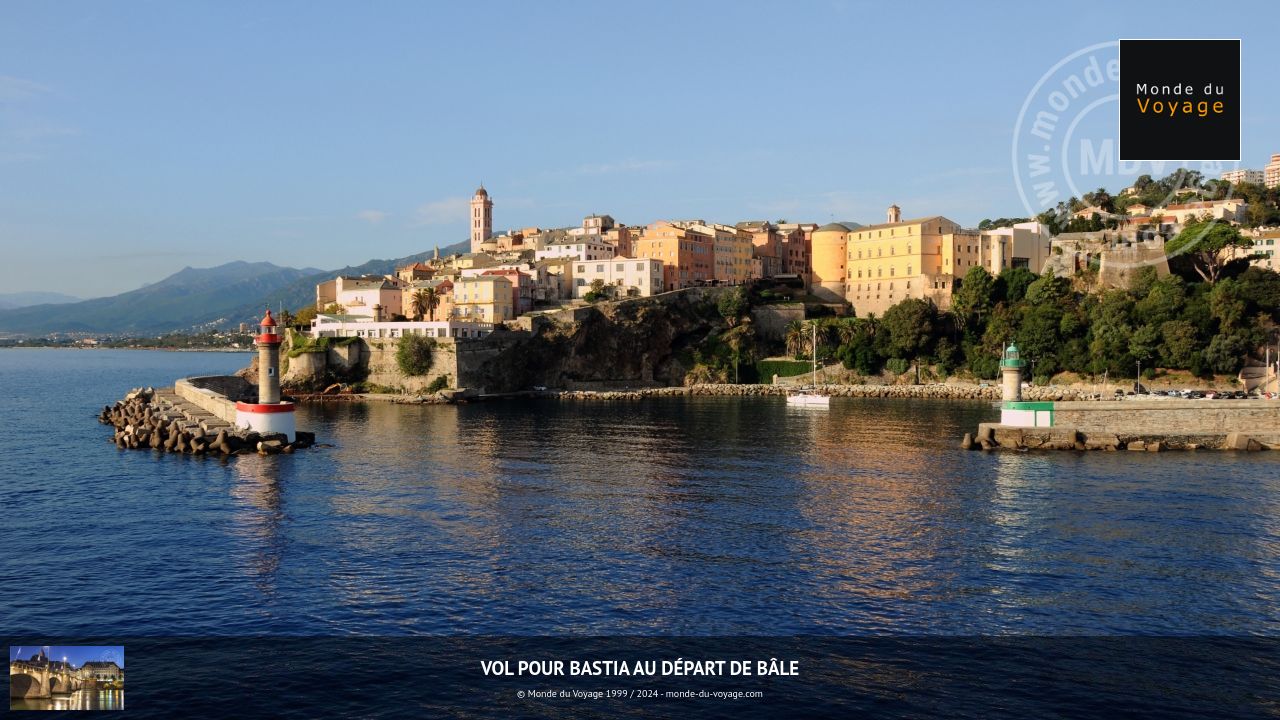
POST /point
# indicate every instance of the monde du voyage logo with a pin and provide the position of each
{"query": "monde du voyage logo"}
(1180, 99)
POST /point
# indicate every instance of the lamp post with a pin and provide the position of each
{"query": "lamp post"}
(1137, 384)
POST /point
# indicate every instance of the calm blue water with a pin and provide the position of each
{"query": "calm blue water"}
(700, 516)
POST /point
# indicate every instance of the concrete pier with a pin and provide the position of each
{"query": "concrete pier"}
(1148, 425)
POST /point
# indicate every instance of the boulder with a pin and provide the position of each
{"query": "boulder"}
(1136, 445)
(1236, 441)
(1007, 437)
(966, 443)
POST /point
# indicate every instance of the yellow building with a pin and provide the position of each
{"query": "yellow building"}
(922, 258)
(827, 280)
(902, 259)
(483, 298)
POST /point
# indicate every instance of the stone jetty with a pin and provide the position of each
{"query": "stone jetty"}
(937, 391)
(159, 419)
(1134, 425)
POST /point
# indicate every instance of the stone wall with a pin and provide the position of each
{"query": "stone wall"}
(771, 321)
(379, 356)
(1171, 417)
(215, 394)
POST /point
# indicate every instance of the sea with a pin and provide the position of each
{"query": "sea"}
(911, 577)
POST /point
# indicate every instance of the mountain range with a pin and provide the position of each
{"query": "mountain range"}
(192, 299)
(8, 301)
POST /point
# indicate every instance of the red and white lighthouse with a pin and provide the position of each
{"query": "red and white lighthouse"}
(269, 414)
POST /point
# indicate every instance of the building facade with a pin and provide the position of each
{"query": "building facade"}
(363, 295)
(1271, 173)
(577, 247)
(687, 256)
(623, 276)
(443, 289)
(1235, 177)
(483, 298)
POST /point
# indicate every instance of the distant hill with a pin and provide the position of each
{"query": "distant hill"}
(192, 299)
(302, 292)
(9, 301)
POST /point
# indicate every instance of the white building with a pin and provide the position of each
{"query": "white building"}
(1025, 245)
(1235, 177)
(360, 295)
(1231, 210)
(348, 326)
(579, 247)
(1271, 174)
(626, 277)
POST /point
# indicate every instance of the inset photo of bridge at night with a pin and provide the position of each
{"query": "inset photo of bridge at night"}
(66, 677)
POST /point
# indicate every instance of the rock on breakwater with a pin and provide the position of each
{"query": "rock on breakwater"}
(148, 418)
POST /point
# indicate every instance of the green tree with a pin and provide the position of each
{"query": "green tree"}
(413, 354)
(425, 302)
(1014, 283)
(733, 305)
(909, 326)
(1210, 245)
(976, 296)
(1179, 344)
(797, 339)
(304, 316)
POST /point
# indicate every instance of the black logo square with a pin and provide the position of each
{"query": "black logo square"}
(1180, 100)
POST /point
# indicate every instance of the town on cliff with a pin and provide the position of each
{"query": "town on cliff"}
(1171, 280)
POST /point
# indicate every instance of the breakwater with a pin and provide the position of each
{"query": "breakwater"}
(938, 391)
(161, 419)
(1138, 425)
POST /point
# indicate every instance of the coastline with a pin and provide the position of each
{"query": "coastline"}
(937, 391)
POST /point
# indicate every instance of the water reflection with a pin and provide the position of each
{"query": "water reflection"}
(78, 700)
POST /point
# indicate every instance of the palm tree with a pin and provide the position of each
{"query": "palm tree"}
(796, 339)
(433, 302)
(425, 302)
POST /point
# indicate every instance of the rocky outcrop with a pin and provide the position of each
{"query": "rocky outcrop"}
(646, 340)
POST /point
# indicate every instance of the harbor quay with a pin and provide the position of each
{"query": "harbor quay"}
(1128, 424)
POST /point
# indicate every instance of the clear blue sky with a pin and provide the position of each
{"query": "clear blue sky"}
(139, 137)
(77, 655)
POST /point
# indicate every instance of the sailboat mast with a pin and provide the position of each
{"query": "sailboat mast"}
(815, 357)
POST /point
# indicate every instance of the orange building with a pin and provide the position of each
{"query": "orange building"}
(688, 257)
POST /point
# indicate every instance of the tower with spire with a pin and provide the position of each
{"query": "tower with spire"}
(481, 218)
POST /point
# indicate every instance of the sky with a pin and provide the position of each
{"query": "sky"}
(77, 655)
(137, 138)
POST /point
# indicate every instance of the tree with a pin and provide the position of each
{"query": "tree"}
(304, 316)
(597, 292)
(1210, 244)
(797, 339)
(425, 302)
(1014, 282)
(976, 296)
(413, 355)
(910, 326)
(733, 305)
(286, 319)
(741, 341)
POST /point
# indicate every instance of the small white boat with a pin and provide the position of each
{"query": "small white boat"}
(809, 396)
